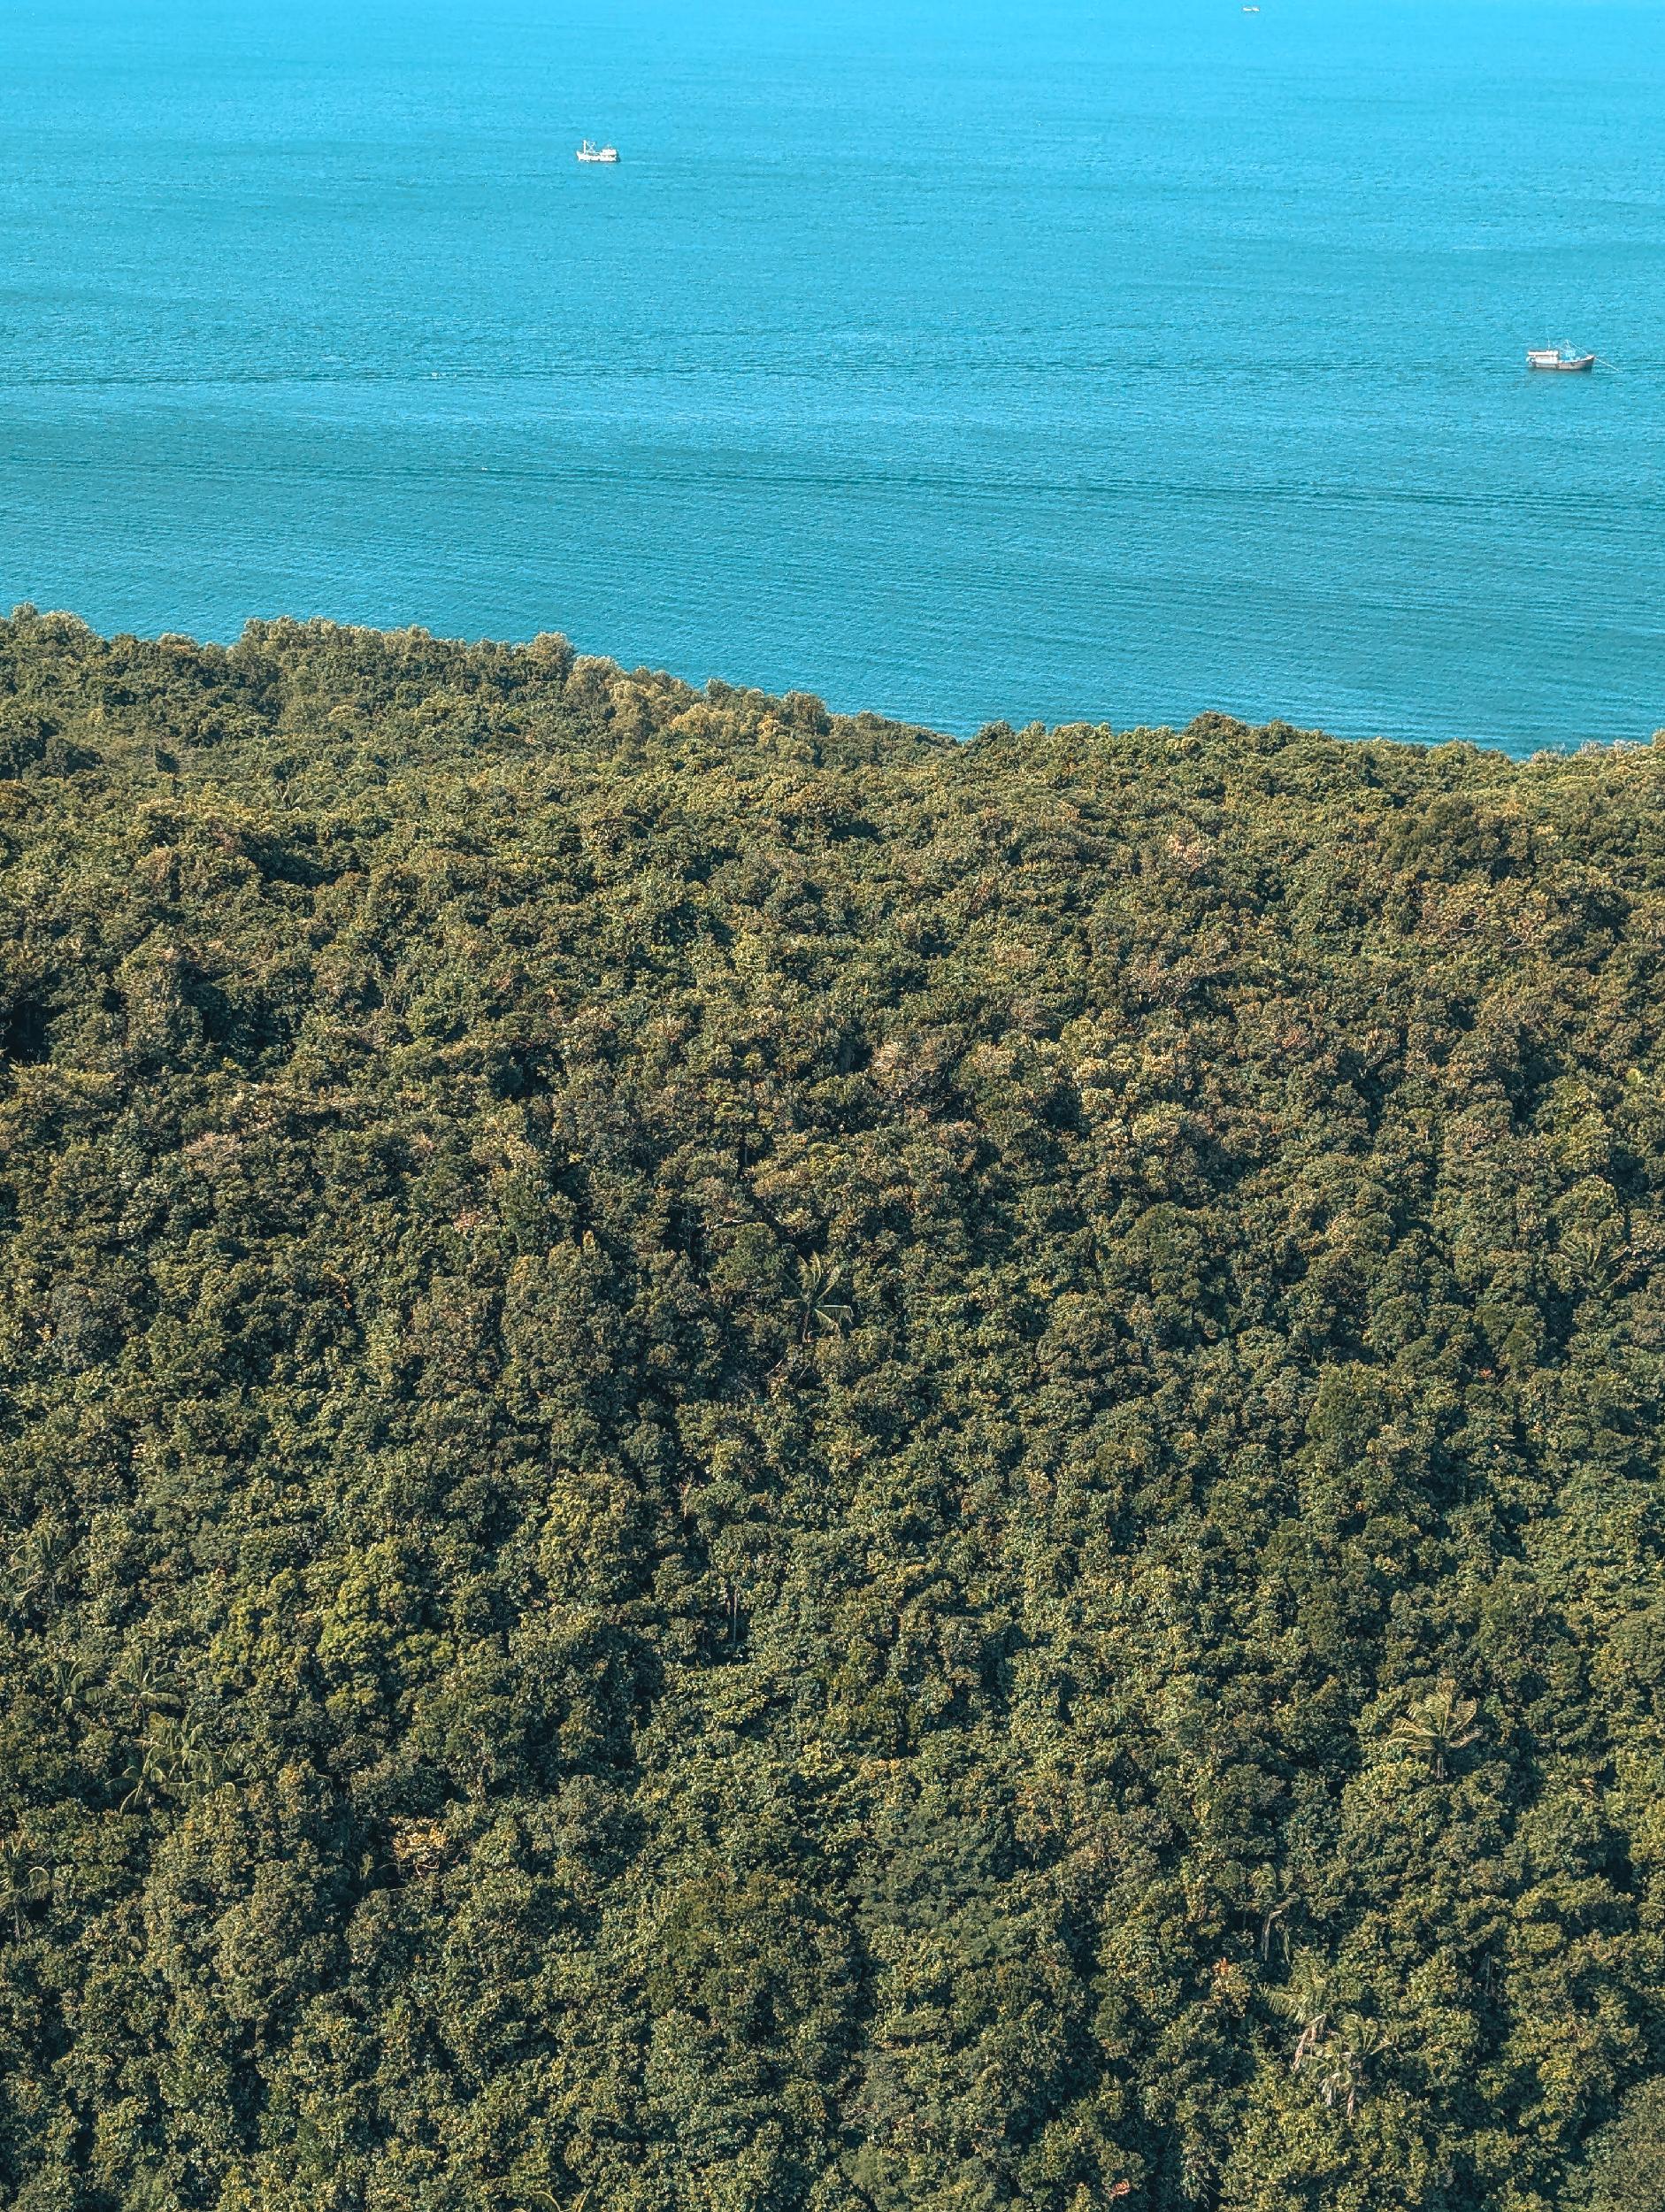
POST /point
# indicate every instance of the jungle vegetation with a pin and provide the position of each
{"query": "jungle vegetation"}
(752, 1464)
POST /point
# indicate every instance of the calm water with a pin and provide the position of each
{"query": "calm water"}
(1056, 357)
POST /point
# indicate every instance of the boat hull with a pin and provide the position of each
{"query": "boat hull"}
(1564, 368)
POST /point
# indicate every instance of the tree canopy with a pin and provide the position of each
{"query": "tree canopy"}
(752, 1464)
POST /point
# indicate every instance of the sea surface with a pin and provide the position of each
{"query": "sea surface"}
(1051, 359)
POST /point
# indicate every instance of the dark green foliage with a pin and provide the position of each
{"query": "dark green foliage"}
(748, 1465)
(1625, 2170)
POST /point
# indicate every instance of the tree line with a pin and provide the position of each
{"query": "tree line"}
(750, 1463)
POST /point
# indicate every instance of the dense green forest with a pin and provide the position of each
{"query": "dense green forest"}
(752, 1464)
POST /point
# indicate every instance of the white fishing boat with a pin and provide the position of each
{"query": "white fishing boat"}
(587, 152)
(1559, 357)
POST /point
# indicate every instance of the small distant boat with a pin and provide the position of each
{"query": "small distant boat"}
(1559, 357)
(587, 152)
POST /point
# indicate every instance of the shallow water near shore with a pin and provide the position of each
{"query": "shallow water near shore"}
(962, 362)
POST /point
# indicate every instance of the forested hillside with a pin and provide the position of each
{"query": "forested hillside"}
(753, 1465)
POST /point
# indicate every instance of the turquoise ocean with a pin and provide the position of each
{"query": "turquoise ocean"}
(1061, 358)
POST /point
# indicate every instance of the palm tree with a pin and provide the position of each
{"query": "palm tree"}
(147, 1686)
(1340, 2044)
(1279, 1897)
(72, 1680)
(22, 1879)
(1346, 2059)
(1437, 1725)
(1310, 1998)
(175, 1756)
(820, 1300)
